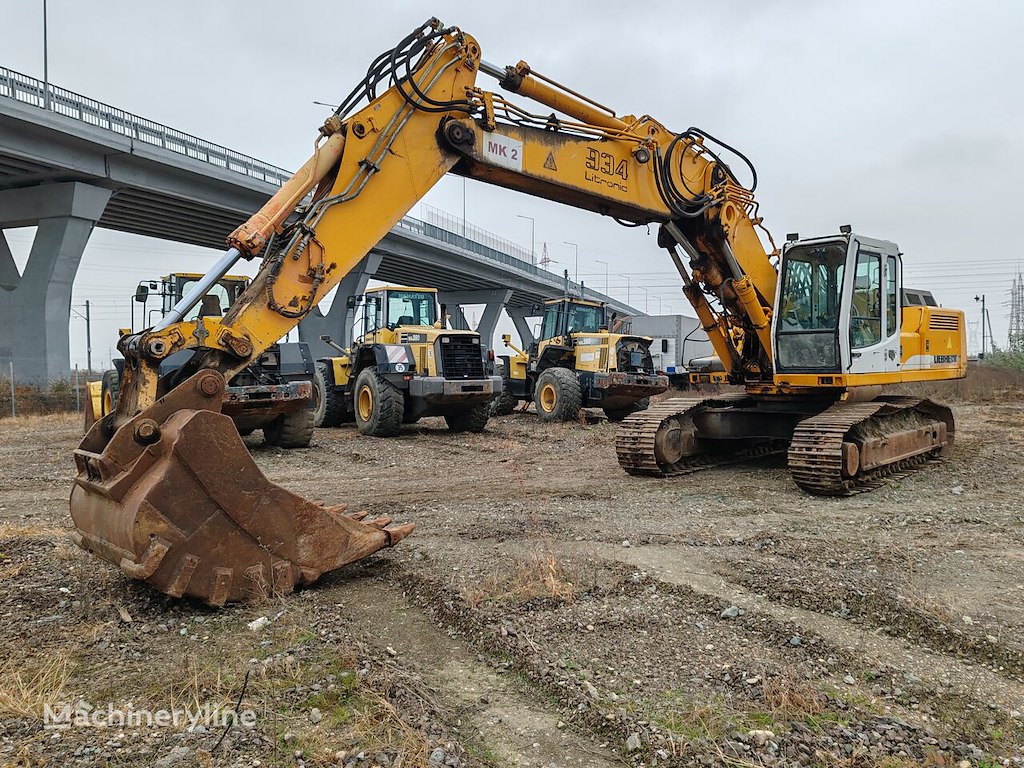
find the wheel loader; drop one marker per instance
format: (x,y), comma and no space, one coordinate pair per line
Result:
(277,393)
(407,365)
(577,363)
(814,332)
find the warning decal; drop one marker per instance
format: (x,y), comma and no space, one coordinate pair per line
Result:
(549,163)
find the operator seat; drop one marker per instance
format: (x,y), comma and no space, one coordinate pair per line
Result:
(211,306)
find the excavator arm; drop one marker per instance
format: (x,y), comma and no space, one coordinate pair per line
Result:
(166,489)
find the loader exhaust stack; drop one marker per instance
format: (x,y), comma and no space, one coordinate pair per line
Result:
(174,498)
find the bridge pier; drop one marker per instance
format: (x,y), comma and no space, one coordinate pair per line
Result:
(35,307)
(338,321)
(493,301)
(520,319)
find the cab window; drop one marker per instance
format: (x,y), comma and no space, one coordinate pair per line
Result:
(410,308)
(223,295)
(866,307)
(811,288)
(891,311)
(584,319)
(549,329)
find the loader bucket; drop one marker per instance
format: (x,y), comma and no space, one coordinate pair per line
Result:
(174,498)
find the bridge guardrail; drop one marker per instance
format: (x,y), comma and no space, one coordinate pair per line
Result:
(53,98)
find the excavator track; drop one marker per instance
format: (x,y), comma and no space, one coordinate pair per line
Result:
(648,442)
(854,447)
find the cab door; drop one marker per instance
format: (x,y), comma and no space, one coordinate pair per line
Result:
(874,312)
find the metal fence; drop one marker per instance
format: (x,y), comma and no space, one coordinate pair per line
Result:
(448,229)
(29,90)
(476,235)
(18,398)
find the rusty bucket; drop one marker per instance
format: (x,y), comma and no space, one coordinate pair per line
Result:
(174,498)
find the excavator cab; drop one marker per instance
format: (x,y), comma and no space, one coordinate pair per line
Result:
(839,318)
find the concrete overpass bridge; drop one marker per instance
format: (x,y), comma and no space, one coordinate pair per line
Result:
(69,164)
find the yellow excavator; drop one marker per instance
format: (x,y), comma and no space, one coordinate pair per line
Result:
(167,491)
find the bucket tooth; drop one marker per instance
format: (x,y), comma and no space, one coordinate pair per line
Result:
(182,575)
(220,585)
(190,510)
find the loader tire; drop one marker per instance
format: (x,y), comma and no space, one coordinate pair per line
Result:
(471,419)
(110,389)
(618,414)
(558,396)
(290,430)
(504,403)
(379,406)
(319,394)
(332,400)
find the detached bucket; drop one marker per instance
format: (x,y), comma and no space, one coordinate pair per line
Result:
(174,498)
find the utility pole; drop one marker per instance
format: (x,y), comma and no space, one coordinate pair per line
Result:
(533,237)
(983,314)
(88,338)
(647,297)
(627,288)
(605,275)
(577,248)
(984,318)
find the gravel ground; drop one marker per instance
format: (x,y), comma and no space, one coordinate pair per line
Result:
(548,611)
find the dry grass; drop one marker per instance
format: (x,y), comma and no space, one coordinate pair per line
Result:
(11,570)
(540,575)
(25,688)
(983,384)
(788,698)
(27,530)
(378,726)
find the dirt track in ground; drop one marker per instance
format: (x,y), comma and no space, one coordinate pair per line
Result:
(550,611)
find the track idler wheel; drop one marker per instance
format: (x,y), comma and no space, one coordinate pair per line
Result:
(174,498)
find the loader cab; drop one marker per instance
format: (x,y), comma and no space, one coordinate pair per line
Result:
(838,310)
(215,303)
(568,316)
(390,307)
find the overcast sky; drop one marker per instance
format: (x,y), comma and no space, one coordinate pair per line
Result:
(902,119)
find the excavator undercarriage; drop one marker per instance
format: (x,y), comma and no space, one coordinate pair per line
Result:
(833,449)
